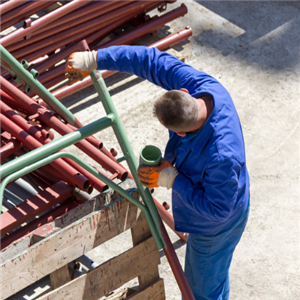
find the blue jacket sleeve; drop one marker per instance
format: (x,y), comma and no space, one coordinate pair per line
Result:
(158,67)
(216,196)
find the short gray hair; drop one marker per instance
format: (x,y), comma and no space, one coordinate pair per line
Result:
(177,110)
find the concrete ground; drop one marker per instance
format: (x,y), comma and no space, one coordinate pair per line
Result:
(252,48)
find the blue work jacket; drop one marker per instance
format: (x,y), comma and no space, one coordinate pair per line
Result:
(212,187)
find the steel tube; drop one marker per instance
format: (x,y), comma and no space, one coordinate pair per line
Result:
(11,147)
(95,182)
(176,267)
(43,21)
(63,53)
(150,26)
(91,139)
(48,118)
(40,158)
(36,86)
(75,179)
(20,121)
(12,102)
(69,22)
(86,82)
(78,32)
(48,217)
(10,5)
(25,11)
(54,146)
(34,206)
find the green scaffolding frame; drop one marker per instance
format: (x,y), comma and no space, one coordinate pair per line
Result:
(49,152)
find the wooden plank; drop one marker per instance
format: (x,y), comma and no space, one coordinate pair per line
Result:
(139,233)
(65,245)
(60,277)
(155,291)
(110,275)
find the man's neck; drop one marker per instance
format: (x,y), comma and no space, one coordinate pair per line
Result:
(206,106)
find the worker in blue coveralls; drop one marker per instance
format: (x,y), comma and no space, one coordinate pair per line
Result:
(204,161)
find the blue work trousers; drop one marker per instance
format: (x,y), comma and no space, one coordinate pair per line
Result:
(208,259)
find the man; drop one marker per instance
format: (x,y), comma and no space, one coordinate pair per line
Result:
(204,160)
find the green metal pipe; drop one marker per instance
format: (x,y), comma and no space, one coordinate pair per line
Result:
(35,85)
(127,151)
(56,145)
(46,160)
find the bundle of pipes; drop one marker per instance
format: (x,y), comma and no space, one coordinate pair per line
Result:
(48,40)
(27,123)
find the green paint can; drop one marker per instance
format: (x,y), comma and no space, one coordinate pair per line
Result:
(150,156)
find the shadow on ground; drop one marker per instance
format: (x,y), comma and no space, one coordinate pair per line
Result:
(271,38)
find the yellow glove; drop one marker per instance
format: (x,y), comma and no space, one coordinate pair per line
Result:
(155,176)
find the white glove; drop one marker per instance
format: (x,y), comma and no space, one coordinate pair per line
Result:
(85,61)
(167,177)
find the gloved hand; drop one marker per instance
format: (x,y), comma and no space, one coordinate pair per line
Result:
(80,65)
(155,176)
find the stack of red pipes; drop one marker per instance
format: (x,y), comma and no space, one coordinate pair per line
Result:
(26,124)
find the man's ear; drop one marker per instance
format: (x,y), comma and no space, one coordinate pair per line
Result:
(184,90)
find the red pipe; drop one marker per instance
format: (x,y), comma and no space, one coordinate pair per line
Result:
(95,182)
(34,206)
(124,39)
(11,147)
(48,118)
(168,219)
(84,15)
(12,102)
(95,142)
(78,32)
(74,178)
(86,82)
(176,266)
(65,52)
(9,5)
(148,27)
(23,12)
(46,218)
(17,119)
(43,21)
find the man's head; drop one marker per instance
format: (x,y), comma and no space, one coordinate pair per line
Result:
(177,110)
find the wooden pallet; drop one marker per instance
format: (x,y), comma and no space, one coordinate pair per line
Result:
(49,249)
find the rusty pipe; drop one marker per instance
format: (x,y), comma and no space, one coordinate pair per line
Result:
(17,119)
(9,148)
(95,142)
(10,5)
(128,38)
(148,27)
(74,178)
(56,41)
(12,102)
(25,11)
(48,118)
(86,82)
(43,21)
(69,22)
(63,53)
(176,266)
(95,182)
